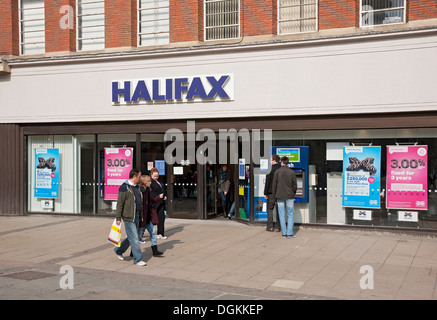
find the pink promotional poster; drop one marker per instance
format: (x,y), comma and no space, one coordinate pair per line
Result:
(118,163)
(407,177)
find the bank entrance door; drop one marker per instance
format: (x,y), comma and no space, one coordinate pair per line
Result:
(183,191)
(192,190)
(210,191)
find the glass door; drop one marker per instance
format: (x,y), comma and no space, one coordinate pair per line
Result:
(184,191)
(210,190)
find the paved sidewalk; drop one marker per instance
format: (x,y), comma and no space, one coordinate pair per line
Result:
(212,260)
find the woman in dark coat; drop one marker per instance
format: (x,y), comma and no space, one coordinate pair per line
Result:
(150,217)
(158,190)
(224,184)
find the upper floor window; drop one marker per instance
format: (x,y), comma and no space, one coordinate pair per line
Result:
(222,19)
(153,22)
(297,16)
(90,24)
(32,27)
(377,12)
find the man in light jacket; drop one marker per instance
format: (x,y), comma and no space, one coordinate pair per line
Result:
(283,190)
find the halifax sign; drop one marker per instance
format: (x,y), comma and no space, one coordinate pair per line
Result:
(181,89)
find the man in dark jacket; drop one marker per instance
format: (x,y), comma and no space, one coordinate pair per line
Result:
(268,195)
(129,208)
(283,190)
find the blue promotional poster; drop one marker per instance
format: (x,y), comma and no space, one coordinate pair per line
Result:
(260,202)
(160,165)
(361,177)
(46,173)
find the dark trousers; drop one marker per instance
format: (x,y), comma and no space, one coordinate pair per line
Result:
(161,219)
(225,199)
(270,208)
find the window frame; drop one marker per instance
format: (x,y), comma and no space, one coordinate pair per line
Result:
(382,10)
(139,44)
(20,28)
(205,27)
(316,2)
(78,25)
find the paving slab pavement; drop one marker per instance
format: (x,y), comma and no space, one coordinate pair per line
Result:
(213,260)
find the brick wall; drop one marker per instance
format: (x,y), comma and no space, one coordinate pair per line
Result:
(120,23)
(256,17)
(186,20)
(60,25)
(422,9)
(338,14)
(9,33)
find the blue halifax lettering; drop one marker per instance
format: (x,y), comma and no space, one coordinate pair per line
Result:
(141,92)
(156,95)
(179,88)
(217,87)
(116,91)
(174,89)
(169,89)
(196,89)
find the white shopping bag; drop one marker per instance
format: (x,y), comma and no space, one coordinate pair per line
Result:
(115,234)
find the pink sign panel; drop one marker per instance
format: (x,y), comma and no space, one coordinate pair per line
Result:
(118,164)
(407,177)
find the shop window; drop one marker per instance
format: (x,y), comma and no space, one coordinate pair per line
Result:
(222,19)
(153,22)
(90,25)
(152,155)
(382,12)
(297,16)
(86,165)
(60,173)
(32,27)
(325,175)
(116,157)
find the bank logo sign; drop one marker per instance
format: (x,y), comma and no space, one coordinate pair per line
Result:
(205,88)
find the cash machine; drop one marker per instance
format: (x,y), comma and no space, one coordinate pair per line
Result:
(305,198)
(299,162)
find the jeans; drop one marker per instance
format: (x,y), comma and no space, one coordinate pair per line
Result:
(131,240)
(151,228)
(232,210)
(287,229)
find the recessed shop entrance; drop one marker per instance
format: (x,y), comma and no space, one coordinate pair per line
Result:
(192,189)
(183,191)
(212,200)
